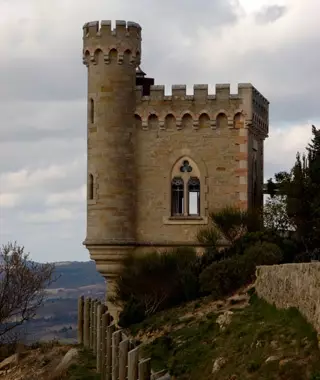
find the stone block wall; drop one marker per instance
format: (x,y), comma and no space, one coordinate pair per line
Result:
(292,285)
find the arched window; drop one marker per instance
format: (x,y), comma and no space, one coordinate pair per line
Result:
(185,189)
(194,196)
(91,111)
(177,196)
(90,186)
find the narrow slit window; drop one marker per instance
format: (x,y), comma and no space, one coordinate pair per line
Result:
(91,110)
(194,196)
(177,196)
(90,186)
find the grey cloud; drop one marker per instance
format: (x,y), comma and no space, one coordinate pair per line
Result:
(270,14)
(15,156)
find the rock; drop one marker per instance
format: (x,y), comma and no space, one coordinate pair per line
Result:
(274,344)
(165,377)
(11,360)
(284,362)
(224,319)
(233,377)
(238,298)
(69,358)
(218,364)
(272,359)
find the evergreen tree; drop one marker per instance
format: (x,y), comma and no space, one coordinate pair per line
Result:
(301,189)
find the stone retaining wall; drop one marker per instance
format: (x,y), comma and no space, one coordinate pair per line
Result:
(292,285)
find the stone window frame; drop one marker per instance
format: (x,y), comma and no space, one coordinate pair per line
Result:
(185,176)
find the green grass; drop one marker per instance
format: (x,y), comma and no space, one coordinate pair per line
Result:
(256,333)
(85,369)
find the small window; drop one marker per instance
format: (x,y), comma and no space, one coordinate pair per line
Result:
(90,186)
(194,196)
(177,194)
(91,111)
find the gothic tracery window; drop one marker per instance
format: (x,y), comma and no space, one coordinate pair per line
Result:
(185,190)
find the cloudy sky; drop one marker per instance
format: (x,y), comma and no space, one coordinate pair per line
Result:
(272,44)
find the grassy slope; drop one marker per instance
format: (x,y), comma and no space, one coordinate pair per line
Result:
(256,332)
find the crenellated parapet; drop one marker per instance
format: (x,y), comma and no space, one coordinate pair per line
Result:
(199,108)
(122,43)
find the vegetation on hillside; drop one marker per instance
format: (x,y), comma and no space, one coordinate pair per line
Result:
(226,340)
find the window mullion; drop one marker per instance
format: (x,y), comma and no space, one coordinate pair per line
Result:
(185,199)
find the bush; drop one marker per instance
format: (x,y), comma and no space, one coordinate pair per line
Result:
(155,281)
(223,278)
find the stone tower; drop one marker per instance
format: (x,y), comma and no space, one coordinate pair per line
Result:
(158,164)
(111,56)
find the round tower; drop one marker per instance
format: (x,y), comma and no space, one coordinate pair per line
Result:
(111,56)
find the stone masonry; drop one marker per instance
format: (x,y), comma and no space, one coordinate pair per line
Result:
(139,139)
(292,285)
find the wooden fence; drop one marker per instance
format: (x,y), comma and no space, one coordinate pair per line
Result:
(117,358)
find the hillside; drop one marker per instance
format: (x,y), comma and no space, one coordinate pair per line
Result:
(239,338)
(57,318)
(75,274)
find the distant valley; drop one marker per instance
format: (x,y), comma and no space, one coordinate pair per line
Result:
(57,318)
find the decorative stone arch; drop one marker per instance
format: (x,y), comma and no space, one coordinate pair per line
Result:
(221,111)
(170,121)
(138,121)
(238,119)
(86,57)
(204,119)
(221,119)
(153,120)
(187,119)
(97,55)
(127,56)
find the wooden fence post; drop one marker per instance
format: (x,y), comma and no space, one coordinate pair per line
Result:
(123,359)
(110,331)
(145,369)
(80,319)
(116,338)
(95,319)
(98,335)
(133,362)
(86,323)
(91,322)
(105,321)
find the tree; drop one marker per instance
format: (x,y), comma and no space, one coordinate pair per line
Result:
(275,215)
(22,287)
(301,189)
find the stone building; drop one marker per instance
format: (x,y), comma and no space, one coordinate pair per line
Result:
(157,164)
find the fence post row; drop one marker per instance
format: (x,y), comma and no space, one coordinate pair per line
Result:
(116,358)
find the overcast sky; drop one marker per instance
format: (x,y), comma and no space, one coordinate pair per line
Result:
(273,45)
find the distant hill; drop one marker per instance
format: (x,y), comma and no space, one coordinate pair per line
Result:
(72,275)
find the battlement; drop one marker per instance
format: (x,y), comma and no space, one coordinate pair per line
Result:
(200,92)
(104,29)
(123,42)
(247,106)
